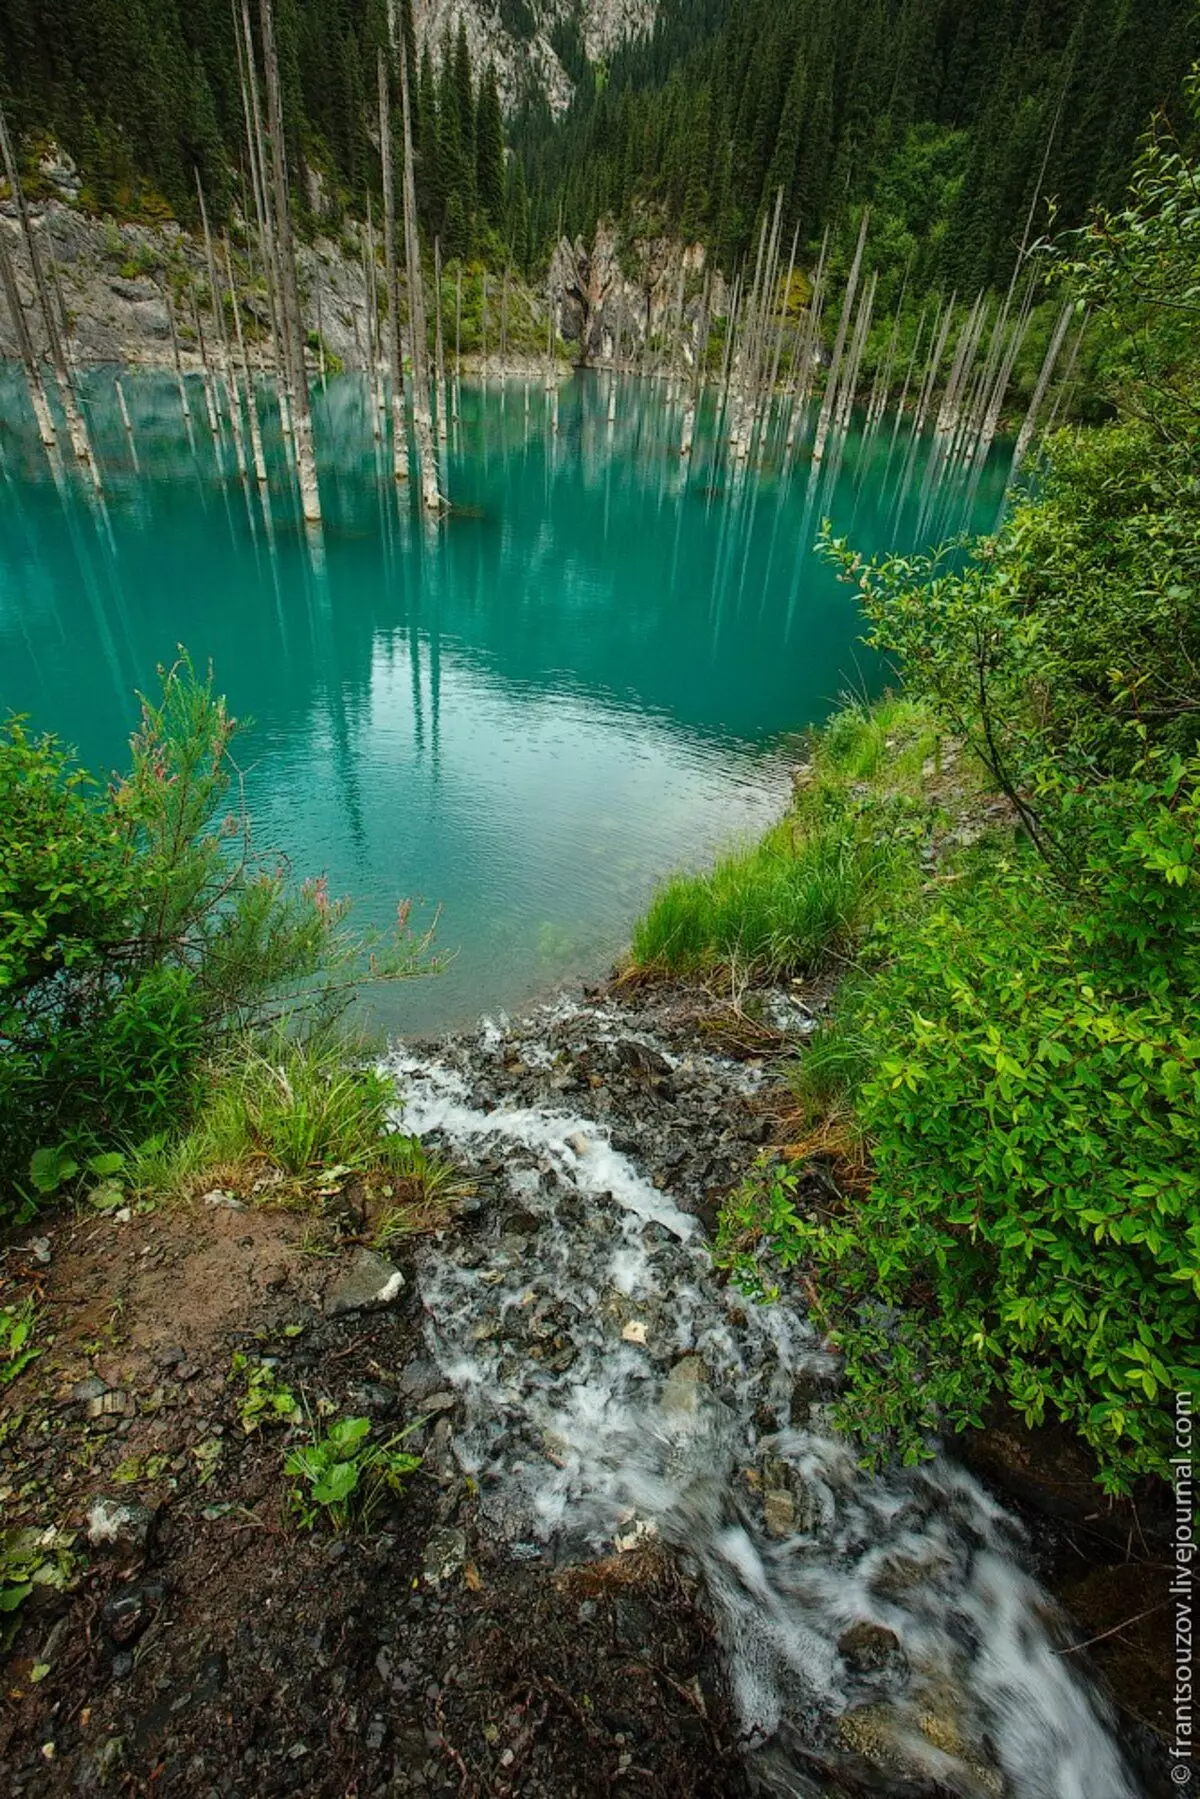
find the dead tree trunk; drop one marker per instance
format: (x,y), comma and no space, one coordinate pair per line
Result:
(431,498)
(256,443)
(232,397)
(33,370)
(306,462)
(399,423)
(76,429)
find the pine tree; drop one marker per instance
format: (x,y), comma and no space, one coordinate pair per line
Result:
(489,151)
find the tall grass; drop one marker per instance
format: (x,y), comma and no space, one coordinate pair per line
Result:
(778,907)
(298,1107)
(815,882)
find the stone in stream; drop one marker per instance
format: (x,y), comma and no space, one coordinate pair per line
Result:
(369,1281)
(868,1648)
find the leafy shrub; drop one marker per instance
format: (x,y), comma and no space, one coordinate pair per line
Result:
(141,927)
(1035,1125)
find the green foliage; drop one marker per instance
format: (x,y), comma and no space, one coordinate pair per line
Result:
(31,1558)
(266,1400)
(938,118)
(344,1478)
(17,1348)
(140,927)
(310,1108)
(779,907)
(812,885)
(1034,1116)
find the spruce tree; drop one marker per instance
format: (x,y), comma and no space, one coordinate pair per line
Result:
(489,151)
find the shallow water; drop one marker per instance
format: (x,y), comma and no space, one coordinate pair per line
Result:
(528,716)
(612,1391)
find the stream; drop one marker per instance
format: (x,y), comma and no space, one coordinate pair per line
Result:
(880,1630)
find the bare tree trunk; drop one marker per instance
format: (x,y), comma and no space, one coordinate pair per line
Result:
(504,324)
(33,371)
(443,426)
(306,462)
(1029,424)
(128,424)
(256,444)
(831,383)
(209,394)
(399,423)
(372,293)
(320,335)
(431,499)
(260,184)
(76,429)
(232,396)
(169,303)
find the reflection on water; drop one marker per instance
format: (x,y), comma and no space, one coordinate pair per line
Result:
(527,714)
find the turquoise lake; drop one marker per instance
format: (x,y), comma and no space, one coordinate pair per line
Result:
(525,716)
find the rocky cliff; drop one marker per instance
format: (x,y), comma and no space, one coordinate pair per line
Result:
(526,39)
(616,298)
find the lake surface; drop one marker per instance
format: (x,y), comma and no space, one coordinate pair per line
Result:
(526,715)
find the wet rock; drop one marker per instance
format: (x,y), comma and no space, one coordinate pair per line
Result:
(372,1399)
(779,1512)
(129,1609)
(439,1402)
(370,1281)
(927,1751)
(119,1524)
(868,1648)
(418,1379)
(444,1556)
(683,1388)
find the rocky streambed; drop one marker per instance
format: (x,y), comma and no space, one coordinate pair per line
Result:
(877,1635)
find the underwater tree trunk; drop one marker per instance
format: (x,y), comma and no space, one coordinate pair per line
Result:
(306,464)
(431,498)
(256,443)
(395,362)
(33,370)
(232,396)
(76,429)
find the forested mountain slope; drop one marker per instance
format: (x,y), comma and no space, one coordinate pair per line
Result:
(951,117)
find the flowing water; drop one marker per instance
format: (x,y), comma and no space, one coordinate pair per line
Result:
(614,1391)
(577,683)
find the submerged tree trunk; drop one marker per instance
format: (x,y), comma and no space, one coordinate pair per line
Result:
(399,424)
(256,443)
(232,397)
(260,185)
(1029,423)
(831,383)
(431,499)
(306,463)
(33,371)
(76,429)
(443,430)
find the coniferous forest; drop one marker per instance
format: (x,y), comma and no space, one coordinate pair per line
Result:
(966,126)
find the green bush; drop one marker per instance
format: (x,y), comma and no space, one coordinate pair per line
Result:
(141,928)
(1034,1117)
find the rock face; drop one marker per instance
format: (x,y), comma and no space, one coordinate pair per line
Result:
(632,296)
(112,276)
(526,39)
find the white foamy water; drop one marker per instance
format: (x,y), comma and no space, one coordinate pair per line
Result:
(614,1388)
